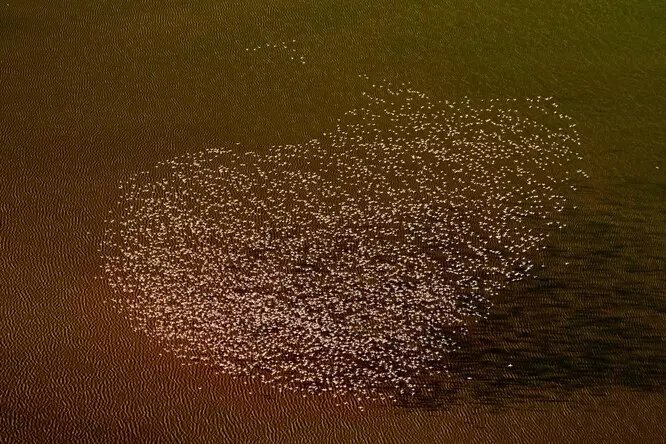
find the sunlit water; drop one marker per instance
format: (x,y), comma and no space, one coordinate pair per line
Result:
(93,94)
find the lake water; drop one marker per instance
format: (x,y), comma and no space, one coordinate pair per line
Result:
(92,93)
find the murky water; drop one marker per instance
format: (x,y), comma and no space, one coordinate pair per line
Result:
(91,95)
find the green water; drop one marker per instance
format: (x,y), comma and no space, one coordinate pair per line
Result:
(91,92)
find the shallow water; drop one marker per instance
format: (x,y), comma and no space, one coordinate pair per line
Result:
(92,94)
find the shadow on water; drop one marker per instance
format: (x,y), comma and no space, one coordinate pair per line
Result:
(591,320)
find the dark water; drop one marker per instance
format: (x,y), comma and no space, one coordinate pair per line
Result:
(92,92)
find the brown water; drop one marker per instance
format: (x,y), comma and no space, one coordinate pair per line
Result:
(90,93)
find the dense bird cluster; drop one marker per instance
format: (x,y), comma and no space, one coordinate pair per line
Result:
(351,263)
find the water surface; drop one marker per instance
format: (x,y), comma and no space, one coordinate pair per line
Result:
(92,93)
